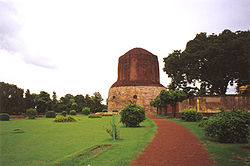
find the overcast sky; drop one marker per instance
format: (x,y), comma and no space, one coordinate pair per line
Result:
(73,46)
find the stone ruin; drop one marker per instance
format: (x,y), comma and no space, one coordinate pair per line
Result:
(138,81)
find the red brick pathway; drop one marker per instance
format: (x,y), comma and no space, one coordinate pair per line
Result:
(173,145)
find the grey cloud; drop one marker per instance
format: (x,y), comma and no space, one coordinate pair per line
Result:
(10,39)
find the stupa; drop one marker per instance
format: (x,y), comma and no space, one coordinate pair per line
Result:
(138,81)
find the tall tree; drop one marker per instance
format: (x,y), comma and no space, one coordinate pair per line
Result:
(29,100)
(43,102)
(210,63)
(11,98)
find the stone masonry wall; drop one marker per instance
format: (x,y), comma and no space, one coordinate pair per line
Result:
(121,96)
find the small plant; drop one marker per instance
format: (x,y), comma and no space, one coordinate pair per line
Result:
(132,115)
(191,116)
(4,117)
(31,113)
(95,116)
(72,112)
(64,113)
(104,110)
(50,114)
(229,126)
(86,110)
(109,130)
(65,119)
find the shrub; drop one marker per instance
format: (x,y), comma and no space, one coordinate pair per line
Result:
(31,113)
(132,115)
(72,112)
(104,110)
(203,122)
(229,126)
(86,110)
(4,117)
(65,119)
(191,115)
(95,116)
(109,130)
(50,114)
(64,113)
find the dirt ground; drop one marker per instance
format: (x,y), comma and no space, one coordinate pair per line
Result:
(173,145)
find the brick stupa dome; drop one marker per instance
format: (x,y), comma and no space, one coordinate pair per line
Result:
(138,67)
(138,81)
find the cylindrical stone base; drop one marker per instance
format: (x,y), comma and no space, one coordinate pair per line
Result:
(121,96)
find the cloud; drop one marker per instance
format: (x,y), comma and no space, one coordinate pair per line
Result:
(10,39)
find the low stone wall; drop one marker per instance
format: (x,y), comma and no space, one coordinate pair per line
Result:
(215,103)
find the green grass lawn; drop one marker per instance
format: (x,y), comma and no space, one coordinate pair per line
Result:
(224,154)
(44,142)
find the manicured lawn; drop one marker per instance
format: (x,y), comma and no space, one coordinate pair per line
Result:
(224,154)
(44,142)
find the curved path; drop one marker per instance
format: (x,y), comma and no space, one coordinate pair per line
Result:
(173,145)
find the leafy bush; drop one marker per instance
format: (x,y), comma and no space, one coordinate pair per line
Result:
(95,116)
(72,112)
(229,126)
(4,117)
(65,119)
(109,130)
(86,110)
(50,114)
(203,122)
(104,110)
(132,115)
(64,113)
(191,115)
(31,113)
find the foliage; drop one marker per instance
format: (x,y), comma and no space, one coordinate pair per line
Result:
(11,99)
(109,130)
(65,119)
(168,97)
(104,110)
(132,115)
(210,62)
(64,113)
(31,113)
(43,102)
(4,117)
(86,110)
(50,114)
(229,126)
(95,116)
(72,112)
(191,115)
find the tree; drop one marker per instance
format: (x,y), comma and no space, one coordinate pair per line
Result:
(29,100)
(43,102)
(209,63)
(11,99)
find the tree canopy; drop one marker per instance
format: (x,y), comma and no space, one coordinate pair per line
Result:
(210,63)
(14,101)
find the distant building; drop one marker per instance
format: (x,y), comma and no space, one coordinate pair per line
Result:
(138,81)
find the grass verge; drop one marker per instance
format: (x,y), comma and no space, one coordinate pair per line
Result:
(44,142)
(224,154)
